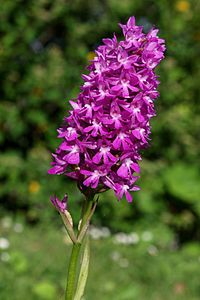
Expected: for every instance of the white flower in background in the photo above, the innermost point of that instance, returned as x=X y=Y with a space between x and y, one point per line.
x=105 y=231
x=18 y=227
x=98 y=233
x=147 y=236
x=152 y=250
x=126 y=239
x=115 y=255
x=134 y=237
x=120 y=238
x=123 y=262
x=5 y=256
x=6 y=222
x=95 y=233
x=4 y=243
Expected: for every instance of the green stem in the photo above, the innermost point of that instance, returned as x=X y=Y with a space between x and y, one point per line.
x=83 y=274
x=71 y=281
x=86 y=214
x=74 y=259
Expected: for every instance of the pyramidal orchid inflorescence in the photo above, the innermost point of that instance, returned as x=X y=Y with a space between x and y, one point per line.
x=108 y=125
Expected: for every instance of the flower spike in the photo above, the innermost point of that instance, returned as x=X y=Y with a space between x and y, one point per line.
x=109 y=123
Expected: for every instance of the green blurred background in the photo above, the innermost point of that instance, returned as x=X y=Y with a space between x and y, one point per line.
x=151 y=246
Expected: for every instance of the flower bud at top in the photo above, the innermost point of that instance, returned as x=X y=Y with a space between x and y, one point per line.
x=61 y=206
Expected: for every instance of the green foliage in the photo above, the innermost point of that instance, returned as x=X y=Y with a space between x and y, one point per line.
x=45 y=290
x=44 y=48
x=19 y=262
x=184 y=185
x=36 y=266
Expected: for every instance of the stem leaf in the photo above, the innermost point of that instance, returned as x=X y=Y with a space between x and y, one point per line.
x=83 y=271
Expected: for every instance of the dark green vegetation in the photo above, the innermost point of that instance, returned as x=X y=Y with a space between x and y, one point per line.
x=44 y=47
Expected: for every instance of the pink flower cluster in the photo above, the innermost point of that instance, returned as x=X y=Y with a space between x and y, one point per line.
x=108 y=125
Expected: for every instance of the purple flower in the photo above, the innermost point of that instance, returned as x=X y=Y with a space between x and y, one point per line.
x=108 y=124
x=93 y=177
x=69 y=133
x=123 y=189
x=61 y=206
x=95 y=129
x=126 y=168
x=104 y=152
x=72 y=157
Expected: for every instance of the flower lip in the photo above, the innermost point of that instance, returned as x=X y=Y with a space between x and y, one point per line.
x=104 y=149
